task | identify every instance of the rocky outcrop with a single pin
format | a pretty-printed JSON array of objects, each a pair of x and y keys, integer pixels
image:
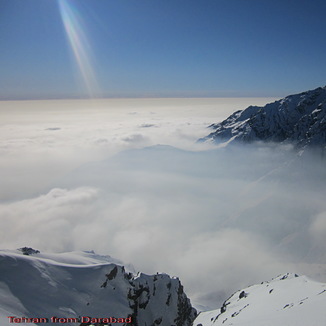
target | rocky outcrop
[
  {"x": 28, "y": 251},
  {"x": 159, "y": 300},
  {"x": 152, "y": 299}
]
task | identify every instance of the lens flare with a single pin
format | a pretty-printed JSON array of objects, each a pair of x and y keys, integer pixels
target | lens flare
[{"x": 73, "y": 24}]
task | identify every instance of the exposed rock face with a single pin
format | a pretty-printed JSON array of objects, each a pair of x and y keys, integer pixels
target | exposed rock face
[
  {"x": 159, "y": 300},
  {"x": 152, "y": 299},
  {"x": 298, "y": 119}
]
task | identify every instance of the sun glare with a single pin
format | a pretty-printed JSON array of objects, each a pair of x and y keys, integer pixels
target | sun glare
[{"x": 75, "y": 29}]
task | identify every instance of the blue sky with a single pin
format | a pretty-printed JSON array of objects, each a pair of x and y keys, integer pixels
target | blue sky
[{"x": 160, "y": 48}]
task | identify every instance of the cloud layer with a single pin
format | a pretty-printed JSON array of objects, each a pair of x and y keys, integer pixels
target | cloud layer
[{"x": 220, "y": 219}]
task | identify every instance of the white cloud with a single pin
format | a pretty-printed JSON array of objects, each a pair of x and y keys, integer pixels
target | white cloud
[
  {"x": 219, "y": 219},
  {"x": 46, "y": 221}
]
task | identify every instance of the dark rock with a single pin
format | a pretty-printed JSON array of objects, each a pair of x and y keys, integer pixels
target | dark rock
[
  {"x": 28, "y": 251},
  {"x": 243, "y": 294},
  {"x": 112, "y": 274}
]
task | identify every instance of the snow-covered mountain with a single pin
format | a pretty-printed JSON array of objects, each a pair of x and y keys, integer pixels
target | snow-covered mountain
[
  {"x": 83, "y": 288},
  {"x": 288, "y": 300},
  {"x": 297, "y": 119},
  {"x": 71, "y": 288}
]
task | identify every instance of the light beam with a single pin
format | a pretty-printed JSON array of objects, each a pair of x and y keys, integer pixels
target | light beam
[{"x": 80, "y": 45}]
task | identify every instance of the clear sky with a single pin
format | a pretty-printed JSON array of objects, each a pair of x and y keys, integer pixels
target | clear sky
[{"x": 163, "y": 48}]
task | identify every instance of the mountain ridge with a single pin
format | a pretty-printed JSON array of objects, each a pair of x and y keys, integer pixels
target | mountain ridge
[
  {"x": 288, "y": 299},
  {"x": 83, "y": 288},
  {"x": 82, "y": 284},
  {"x": 298, "y": 119}
]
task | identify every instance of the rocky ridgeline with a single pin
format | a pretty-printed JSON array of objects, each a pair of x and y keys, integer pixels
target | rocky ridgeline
[
  {"x": 297, "y": 119},
  {"x": 153, "y": 299}
]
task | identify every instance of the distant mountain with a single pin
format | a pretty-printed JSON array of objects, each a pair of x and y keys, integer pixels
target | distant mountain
[
  {"x": 82, "y": 288},
  {"x": 289, "y": 300},
  {"x": 297, "y": 119}
]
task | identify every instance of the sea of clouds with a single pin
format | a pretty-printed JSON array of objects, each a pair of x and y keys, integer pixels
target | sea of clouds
[{"x": 127, "y": 178}]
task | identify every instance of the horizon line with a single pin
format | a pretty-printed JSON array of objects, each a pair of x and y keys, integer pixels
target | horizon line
[{"x": 7, "y": 99}]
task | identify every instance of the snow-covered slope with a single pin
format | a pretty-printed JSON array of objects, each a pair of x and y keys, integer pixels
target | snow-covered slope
[
  {"x": 71, "y": 288},
  {"x": 288, "y": 300},
  {"x": 298, "y": 119},
  {"x": 77, "y": 284}
]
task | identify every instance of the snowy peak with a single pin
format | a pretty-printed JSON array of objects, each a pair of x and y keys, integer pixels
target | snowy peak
[
  {"x": 83, "y": 284},
  {"x": 289, "y": 299},
  {"x": 297, "y": 119}
]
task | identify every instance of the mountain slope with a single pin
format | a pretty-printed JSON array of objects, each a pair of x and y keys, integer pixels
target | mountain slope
[
  {"x": 287, "y": 300},
  {"x": 73, "y": 285},
  {"x": 84, "y": 287},
  {"x": 298, "y": 119}
]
